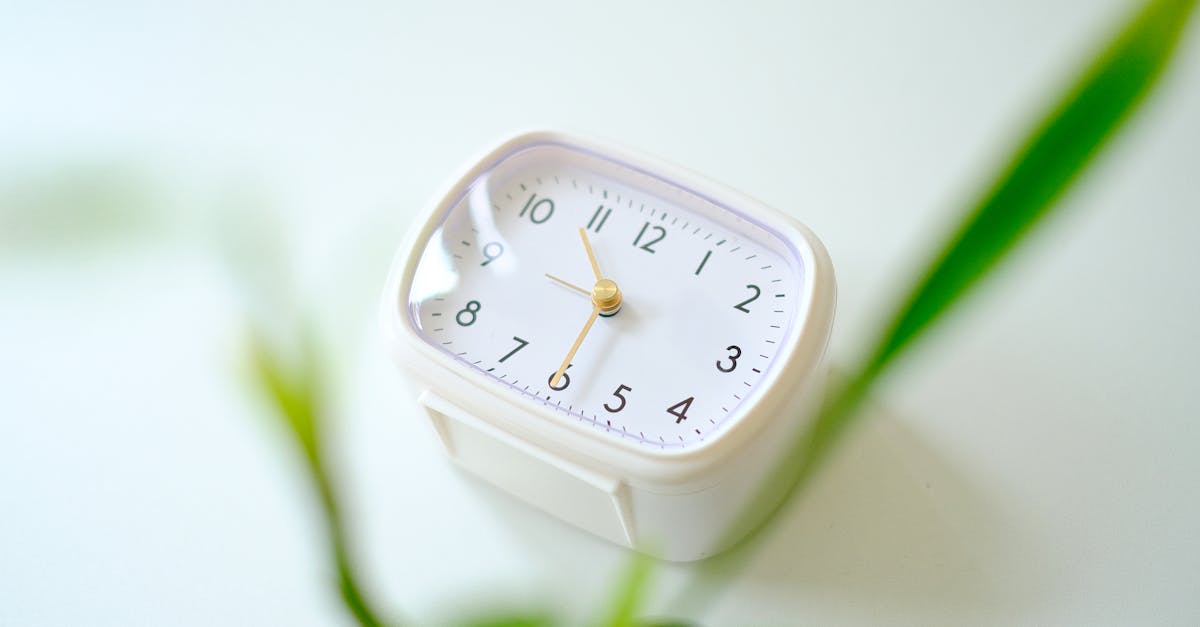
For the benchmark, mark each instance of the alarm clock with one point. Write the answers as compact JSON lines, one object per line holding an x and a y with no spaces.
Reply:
{"x":615,"y":340}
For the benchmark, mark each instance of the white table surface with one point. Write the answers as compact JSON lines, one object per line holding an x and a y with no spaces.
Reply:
{"x":1037,"y":461}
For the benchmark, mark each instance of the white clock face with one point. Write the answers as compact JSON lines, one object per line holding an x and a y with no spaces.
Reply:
{"x":708,"y":297}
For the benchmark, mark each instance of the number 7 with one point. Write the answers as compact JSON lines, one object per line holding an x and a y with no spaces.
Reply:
{"x":520,"y":344}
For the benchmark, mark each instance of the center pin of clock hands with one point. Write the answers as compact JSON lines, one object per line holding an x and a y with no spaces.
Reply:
{"x":606,"y":301}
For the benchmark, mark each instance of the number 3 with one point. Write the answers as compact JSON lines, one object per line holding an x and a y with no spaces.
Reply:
{"x":735,"y":352}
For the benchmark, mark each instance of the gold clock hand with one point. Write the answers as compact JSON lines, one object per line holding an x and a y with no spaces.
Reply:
{"x":590,"y":253}
{"x":569,"y":285}
{"x":606,"y":298}
{"x":605,"y":293}
{"x":575,"y":347}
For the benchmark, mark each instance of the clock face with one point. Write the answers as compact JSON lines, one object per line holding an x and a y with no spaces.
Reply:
{"x":707,"y":297}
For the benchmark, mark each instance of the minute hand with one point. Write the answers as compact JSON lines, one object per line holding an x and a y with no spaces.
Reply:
{"x":575,"y":347}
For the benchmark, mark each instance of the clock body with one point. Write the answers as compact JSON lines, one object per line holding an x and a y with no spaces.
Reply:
{"x":655,"y":424}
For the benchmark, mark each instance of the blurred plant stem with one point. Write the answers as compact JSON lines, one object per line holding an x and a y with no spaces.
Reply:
{"x":294,"y":386}
{"x":624,"y":606}
{"x":1019,"y":197}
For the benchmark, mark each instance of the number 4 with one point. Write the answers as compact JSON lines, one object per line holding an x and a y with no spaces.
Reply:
{"x":679,"y":410}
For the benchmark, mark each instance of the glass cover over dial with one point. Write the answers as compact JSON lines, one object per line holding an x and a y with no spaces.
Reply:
{"x":616,"y":298}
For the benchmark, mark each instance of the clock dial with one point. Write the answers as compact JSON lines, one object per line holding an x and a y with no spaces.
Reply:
{"x":506,"y":286}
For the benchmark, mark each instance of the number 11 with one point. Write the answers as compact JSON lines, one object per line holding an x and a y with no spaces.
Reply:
{"x":602,"y":218}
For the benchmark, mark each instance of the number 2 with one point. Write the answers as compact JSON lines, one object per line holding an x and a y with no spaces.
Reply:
{"x":742,"y":305}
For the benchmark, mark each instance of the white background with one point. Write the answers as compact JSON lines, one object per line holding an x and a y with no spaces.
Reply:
{"x":1036,"y":461}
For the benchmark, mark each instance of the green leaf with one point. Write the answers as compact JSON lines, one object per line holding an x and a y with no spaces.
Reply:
{"x":1042,"y":170}
{"x":1021,"y":196}
{"x":1024,"y":193}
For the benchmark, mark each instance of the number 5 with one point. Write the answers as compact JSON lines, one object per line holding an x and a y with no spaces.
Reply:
{"x":620,"y":388}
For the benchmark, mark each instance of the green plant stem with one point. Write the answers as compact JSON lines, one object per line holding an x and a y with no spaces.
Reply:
{"x":352,"y":594}
{"x":296,"y":392}
{"x":623,"y":609}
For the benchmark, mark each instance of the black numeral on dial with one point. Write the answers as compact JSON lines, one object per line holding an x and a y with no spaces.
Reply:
{"x":466,"y":316}
{"x":601,"y":214}
{"x":649,"y":245}
{"x":742,"y":305}
{"x":620,"y":397}
{"x":734,"y":352}
{"x":563,"y":381}
{"x":492,"y":252}
{"x":702,"y":262}
{"x":680,"y":409}
{"x":539,"y":211}
{"x":520,"y":344}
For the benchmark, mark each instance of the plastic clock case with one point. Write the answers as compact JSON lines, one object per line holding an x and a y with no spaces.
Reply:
{"x":679,"y":504}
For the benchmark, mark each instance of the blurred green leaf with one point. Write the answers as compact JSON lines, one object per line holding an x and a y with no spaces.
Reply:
{"x":293,"y":393}
{"x":1042,"y":170}
{"x":68,"y":207}
{"x":287,"y":371}
{"x":514,"y":620}
{"x":630,"y":593}
{"x":1024,"y":193}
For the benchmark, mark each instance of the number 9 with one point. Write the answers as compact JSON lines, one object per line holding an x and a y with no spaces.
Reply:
{"x":488,"y":254}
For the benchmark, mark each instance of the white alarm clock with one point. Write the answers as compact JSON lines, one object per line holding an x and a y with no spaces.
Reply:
{"x":615,"y":340}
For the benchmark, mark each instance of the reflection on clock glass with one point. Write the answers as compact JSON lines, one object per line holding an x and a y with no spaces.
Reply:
{"x":505,"y":286}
